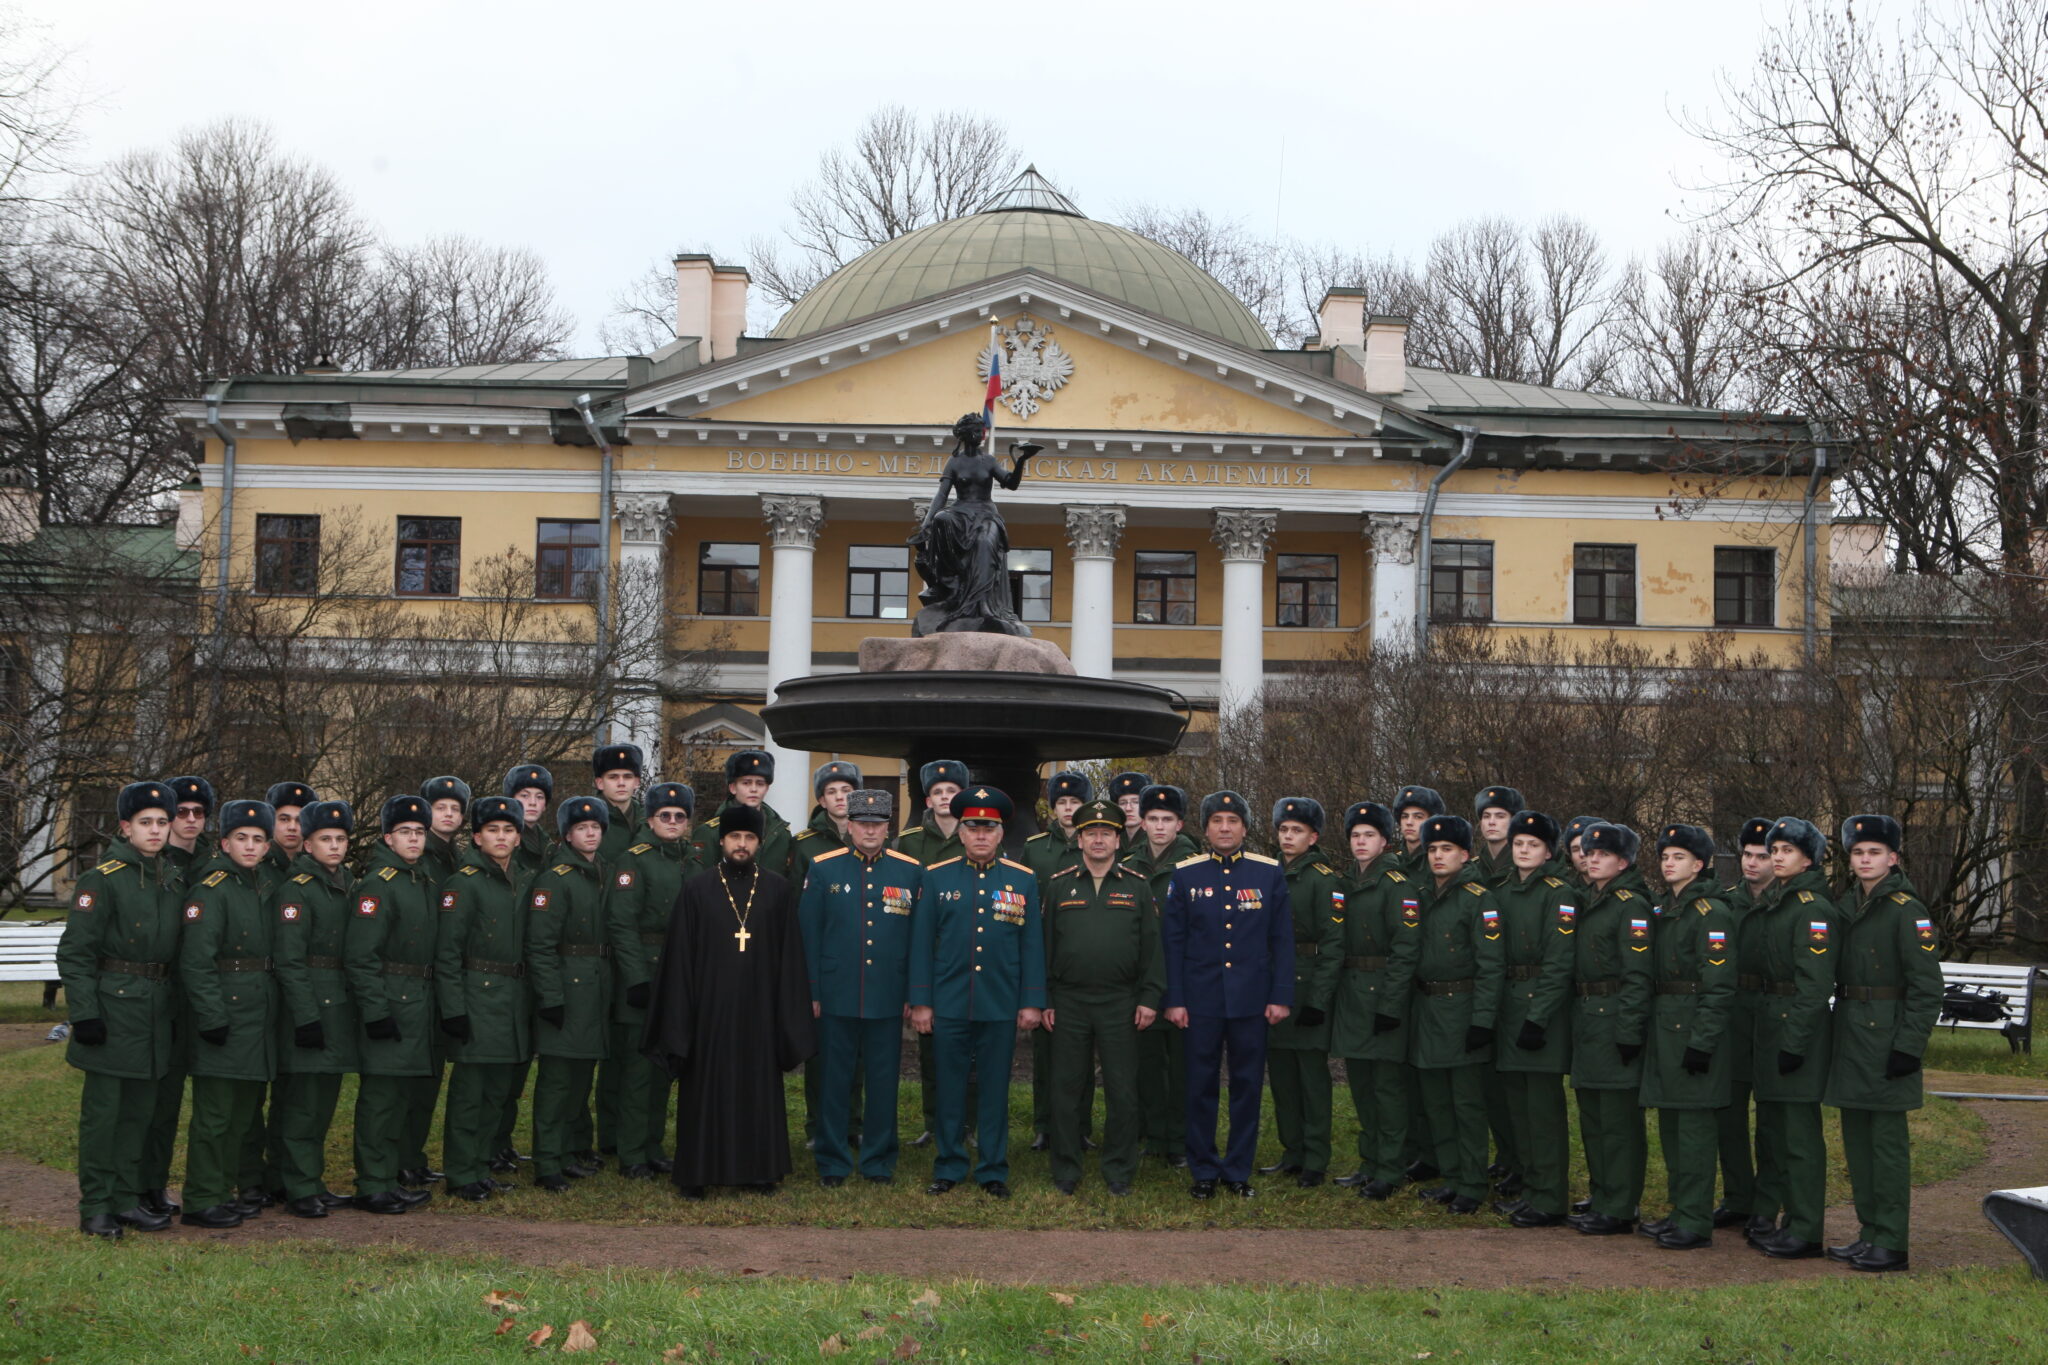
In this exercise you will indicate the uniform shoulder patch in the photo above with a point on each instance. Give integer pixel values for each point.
(1190, 862)
(1261, 858)
(1042, 834)
(302, 879)
(1703, 905)
(1552, 881)
(947, 863)
(1901, 897)
(110, 866)
(1805, 896)
(831, 853)
(897, 853)
(1394, 876)
(561, 869)
(804, 834)
(639, 848)
(215, 880)
(387, 873)
(1068, 871)
(1324, 868)
(1012, 862)
(1624, 895)
(466, 870)
(1475, 888)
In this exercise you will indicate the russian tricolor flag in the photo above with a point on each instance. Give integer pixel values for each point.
(995, 388)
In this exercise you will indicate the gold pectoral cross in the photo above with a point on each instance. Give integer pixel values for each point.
(743, 936)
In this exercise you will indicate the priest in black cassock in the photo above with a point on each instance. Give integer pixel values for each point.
(730, 1012)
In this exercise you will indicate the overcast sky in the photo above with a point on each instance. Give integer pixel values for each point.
(604, 136)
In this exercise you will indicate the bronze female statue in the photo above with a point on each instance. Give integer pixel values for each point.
(963, 549)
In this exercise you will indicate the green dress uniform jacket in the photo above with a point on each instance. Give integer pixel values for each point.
(1537, 918)
(775, 839)
(819, 836)
(441, 857)
(117, 960)
(626, 827)
(923, 842)
(224, 962)
(313, 908)
(536, 853)
(1887, 996)
(977, 945)
(184, 863)
(389, 952)
(1379, 944)
(1315, 895)
(1693, 950)
(1496, 870)
(1458, 971)
(1795, 958)
(567, 942)
(1159, 871)
(644, 885)
(1102, 941)
(479, 961)
(1047, 851)
(1611, 982)
(1748, 998)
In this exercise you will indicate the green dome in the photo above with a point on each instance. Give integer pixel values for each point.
(1029, 226)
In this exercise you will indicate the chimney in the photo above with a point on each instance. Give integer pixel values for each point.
(693, 296)
(1340, 318)
(1386, 354)
(1856, 553)
(728, 311)
(191, 522)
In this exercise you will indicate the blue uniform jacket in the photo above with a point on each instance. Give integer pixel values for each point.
(856, 919)
(977, 948)
(1228, 935)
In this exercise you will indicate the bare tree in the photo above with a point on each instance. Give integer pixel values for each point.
(1249, 267)
(1678, 330)
(456, 301)
(36, 111)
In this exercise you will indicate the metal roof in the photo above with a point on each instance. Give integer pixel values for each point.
(599, 369)
(1031, 191)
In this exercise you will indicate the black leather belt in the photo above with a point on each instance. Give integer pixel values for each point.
(1779, 988)
(1872, 993)
(324, 964)
(241, 964)
(424, 973)
(1678, 988)
(1365, 964)
(154, 971)
(1749, 983)
(1584, 988)
(1446, 987)
(585, 950)
(478, 964)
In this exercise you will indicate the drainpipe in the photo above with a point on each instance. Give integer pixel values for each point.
(1812, 605)
(1422, 533)
(604, 524)
(227, 540)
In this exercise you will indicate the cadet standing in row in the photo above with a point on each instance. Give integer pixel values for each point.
(1125, 791)
(619, 770)
(1045, 853)
(533, 787)
(1739, 1173)
(286, 800)
(566, 948)
(1298, 1049)
(1492, 811)
(1611, 985)
(318, 1024)
(1162, 1062)
(933, 839)
(1369, 1019)
(646, 880)
(447, 799)
(1539, 912)
(748, 775)
(1412, 806)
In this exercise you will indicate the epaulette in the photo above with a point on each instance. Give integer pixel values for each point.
(215, 880)
(302, 879)
(1475, 888)
(893, 853)
(804, 834)
(1703, 905)
(712, 823)
(831, 853)
(1552, 881)
(1397, 876)
(639, 848)
(1042, 834)
(1262, 858)
(1805, 896)
(1624, 895)
(1324, 868)
(561, 869)
(1012, 862)
(466, 870)
(1190, 862)
(1065, 870)
(109, 867)
(948, 863)
(386, 873)
(1901, 897)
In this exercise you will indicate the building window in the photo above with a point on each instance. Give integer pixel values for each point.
(1166, 589)
(878, 582)
(1461, 580)
(1604, 585)
(1031, 584)
(429, 556)
(287, 554)
(567, 559)
(1745, 586)
(1308, 592)
(729, 579)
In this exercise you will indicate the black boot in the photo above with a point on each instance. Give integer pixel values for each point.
(1878, 1260)
(386, 1201)
(1678, 1239)
(142, 1220)
(476, 1191)
(1849, 1252)
(309, 1207)
(101, 1225)
(160, 1201)
(219, 1216)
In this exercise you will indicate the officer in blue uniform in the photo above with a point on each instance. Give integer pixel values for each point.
(977, 975)
(1229, 940)
(856, 911)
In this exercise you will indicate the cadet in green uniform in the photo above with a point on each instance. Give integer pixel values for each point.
(1686, 1068)
(748, 775)
(189, 845)
(855, 913)
(447, 801)
(224, 962)
(1162, 1063)
(1611, 985)
(388, 953)
(189, 848)
(1887, 1002)
(619, 769)
(1575, 850)
(480, 978)
(116, 957)
(831, 785)
(1382, 914)
(1457, 994)
(1539, 911)
(1104, 976)
(645, 882)
(1795, 959)
(317, 1026)
(1045, 853)
(1492, 810)
(1732, 1131)
(566, 943)
(1126, 791)
(1298, 1048)
(935, 838)
(286, 800)
(1413, 805)
(533, 787)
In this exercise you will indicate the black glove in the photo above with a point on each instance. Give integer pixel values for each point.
(1477, 1038)
(1789, 1062)
(384, 1030)
(638, 994)
(1385, 1023)
(215, 1036)
(456, 1026)
(91, 1032)
(1532, 1037)
(312, 1037)
(1308, 1016)
(1696, 1062)
(1900, 1064)
(1629, 1052)
(553, 1015)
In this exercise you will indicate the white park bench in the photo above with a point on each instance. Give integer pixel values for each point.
(2015, 983)
(28, 951)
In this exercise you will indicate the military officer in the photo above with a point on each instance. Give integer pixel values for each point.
(1887, 1001)
(934, 839)
(1298, 1049)
(856, 914)
(748, 775)
(831, 785)
(189, 846)
(1685, 1070)
(388, 953)
(286, 799)
(533, 787)
(1125, 789)
(447, 799)
(1382, 918)
(977, 975)
(1612, 978)
(116, 958)
(1795, 957)
(1539, 912)
(1046, 852)
(1492, 811)
(1104, 977)
(317, 1026)
(224, 964)
(1412, 806)
(1162, 1060)
(1228, 936)
(645, 882)
(566, 944)
(619, 770)
(1738, 1168)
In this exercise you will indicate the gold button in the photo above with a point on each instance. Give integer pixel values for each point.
(977, 966)
(1226, 964)
(1226, 945)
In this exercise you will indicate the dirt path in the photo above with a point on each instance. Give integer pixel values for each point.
(1949, 1230)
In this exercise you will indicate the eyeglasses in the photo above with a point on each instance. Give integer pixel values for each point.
(671, 816)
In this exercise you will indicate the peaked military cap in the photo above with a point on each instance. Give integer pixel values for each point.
(1128, 784)
(529, 775)
(1755, 830)
(444, 789)
(577, 809)
(326, 815)
(402, 810)
(1069, 783)
(247, 815)
(609, 758)
(662, 795)
(1226, 803)
(1691, 838)
(138, 797)
(1447, 829)
(1099, 813)
(485, 809)
(1157, 796)
(941, 770)
(194, 789)
(1536, 824)
(1803, 835)
(1370, 813)
(1610, 838)
(871, 803)
(835, 771)
(290, 794)
(1498, 798)
(750, 763)
(985, 805)
(1302, 810)
(1580, 824)
(1422, 798)
(1872, 829)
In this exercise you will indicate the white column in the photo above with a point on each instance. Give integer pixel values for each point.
(793, 523)
(1094, 533)
(641, 614)
(1244, 534)
(1393, 536)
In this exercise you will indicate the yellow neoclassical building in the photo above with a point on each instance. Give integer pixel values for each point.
(1208, 511)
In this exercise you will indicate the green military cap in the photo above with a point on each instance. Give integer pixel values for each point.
(1098, 813)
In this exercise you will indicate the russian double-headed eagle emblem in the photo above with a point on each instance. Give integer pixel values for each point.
(1034, 366)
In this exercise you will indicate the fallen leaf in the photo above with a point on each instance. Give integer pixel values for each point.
(676, 1353)
(1432, 1312)
(695, 1291)
(908, 1347)
(1157, 1320)
(928, 1299)
(505, 1324)
(247, 1349)
(501, 1301)
(832, 1345)
(870, 1333)
(538, 1337)
(581, 1338)
(1063, 1300)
